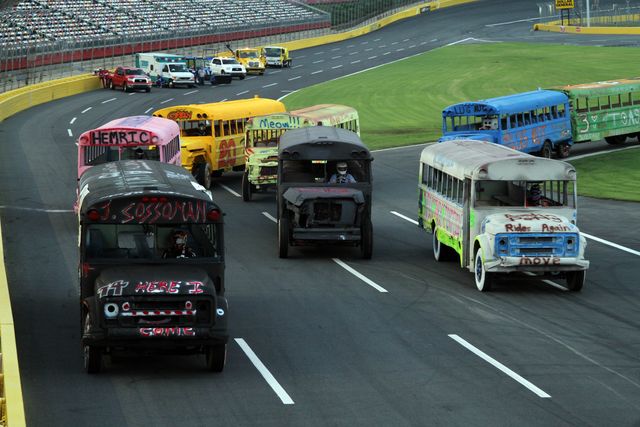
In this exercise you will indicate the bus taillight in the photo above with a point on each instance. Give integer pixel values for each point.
(213, 215)
(93, 215)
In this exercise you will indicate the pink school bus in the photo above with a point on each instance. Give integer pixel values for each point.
(130, 138)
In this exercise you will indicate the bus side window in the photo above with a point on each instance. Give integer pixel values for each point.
(581, 104)
(217, 125)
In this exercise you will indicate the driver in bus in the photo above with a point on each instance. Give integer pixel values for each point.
(489, 123)
(178, 247)
(202, 129)
(343, 176)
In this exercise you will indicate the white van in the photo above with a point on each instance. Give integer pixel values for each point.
(172, 68)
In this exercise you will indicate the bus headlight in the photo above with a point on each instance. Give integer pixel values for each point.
(111, 310)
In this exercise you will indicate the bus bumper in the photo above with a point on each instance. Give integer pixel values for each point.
(536, 264)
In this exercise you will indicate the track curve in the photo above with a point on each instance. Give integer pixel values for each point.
(345, 353)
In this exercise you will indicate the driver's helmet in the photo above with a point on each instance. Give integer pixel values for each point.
(342, 168)
(139, 153)
(535, 193)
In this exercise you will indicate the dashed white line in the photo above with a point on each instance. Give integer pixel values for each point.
(167, 100)
(301, 56)
(21, 208)
(295, 78)
(386, 53)
(297, 66)
(423, 43)
(412, 46)
(70, 133)
(512, 22)
(85, 110)
(382, 46)
(373, 57)
(335, 49)
(242, 93)
(351, 45)
(319, 53)
(271, 217)
(250, 77)
(275, 72)
(318, 61)
(269, 85)
(368, 49)
(405, 40)
(230, 190)
(376, 40)
(400, 50)
(337, 66)
(148, 110)
(269, 378)
(614, 245)
(72, 120)
(541, 393)
(359, 276)
(355, 62)
(223, 100)
(364, 43)
(190, 92)
(394, 43)
(109, 100)
(317, 72)
(132, 93)
(336, 57)
(433, 40)
(406, 218)
(353, 53)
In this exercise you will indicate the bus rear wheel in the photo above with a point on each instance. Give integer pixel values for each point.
(283, 236)
(215, 357)
(563, 151)
(92, 355)
(366, 236)
(547, 150)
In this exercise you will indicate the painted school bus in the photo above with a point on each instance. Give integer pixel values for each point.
(500, 211)
(213, 134)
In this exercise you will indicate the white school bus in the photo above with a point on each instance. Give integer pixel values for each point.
(500, 211)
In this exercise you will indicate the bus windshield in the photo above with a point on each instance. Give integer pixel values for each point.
(524, 194)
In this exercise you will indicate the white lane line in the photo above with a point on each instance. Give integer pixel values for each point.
(318, 61)
(386, 53)
(394, 43)
(433, 40)
(275, 72)
(405, 40)
(364, 43)
(412, 46)
(250, 77)
(148, 110)
(271, 217)
(230, 190)
(406, 218)
(335, 49)
(316, 72)
(337, 66)
(132, 93)
(614, 245)
(382, 46)
(368, 49)
(336, 57)
(351, 45)
(109, 100)
(512, 22)
(423, 43)
(297, 66)
(355, 62)
(242, 93)
(295, 78)
(85, 110)
(167, 100)
(269, 85)
(354, 53)
(287, 91)
(548, 282)
(319, 53)
(190, 92)
(73, 121)
(500, 366)
(359, 276)
(273, 383)
(20, 208)
(376, 40)
(70, 133)
(373, 57)
(400, 50)
(599, 153)
(224, 100)
(301, 56)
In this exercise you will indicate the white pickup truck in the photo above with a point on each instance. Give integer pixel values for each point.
(224, 68)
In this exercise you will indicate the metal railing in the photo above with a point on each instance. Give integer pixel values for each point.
(594, 13)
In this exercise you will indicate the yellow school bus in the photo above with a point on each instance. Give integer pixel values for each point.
(213, 134)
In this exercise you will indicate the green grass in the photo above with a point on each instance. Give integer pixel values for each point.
(401, 103)
(610, 176)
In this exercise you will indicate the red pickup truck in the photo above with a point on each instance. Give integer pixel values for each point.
(128, 78)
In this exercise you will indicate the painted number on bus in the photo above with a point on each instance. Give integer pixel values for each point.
(227, 153)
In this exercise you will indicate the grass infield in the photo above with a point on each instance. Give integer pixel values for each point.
(401, 103)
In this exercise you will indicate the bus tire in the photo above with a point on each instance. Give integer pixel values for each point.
(246, 187)
(92, 355)
(563, 150)
(283, 236)
(547, 150)
(366, 238)
(575, 280)
(441, 252)
(484, 279)
(616, 139)
(215, 357)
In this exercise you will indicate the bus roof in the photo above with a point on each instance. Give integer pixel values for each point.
(482, 160)
(602, 88)
(164, 54)
(130, 131)
(226, 110)
(322, 143)
(509, 104)
(125, 180)
(325, 112)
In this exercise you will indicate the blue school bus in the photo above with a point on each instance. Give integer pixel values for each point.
(532, 122)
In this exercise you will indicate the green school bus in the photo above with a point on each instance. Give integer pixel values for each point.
(608, 110)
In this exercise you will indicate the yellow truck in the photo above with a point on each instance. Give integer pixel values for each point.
(251, 58)
(276, 56)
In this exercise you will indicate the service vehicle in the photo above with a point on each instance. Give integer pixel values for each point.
(213, 134)
(136, 292)
(223, 66)
(263, 134)
(533, 122)
(129, 78)
(276, 56)
(314, 207)
(251, 59)
(171, 68)
(500, 212)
